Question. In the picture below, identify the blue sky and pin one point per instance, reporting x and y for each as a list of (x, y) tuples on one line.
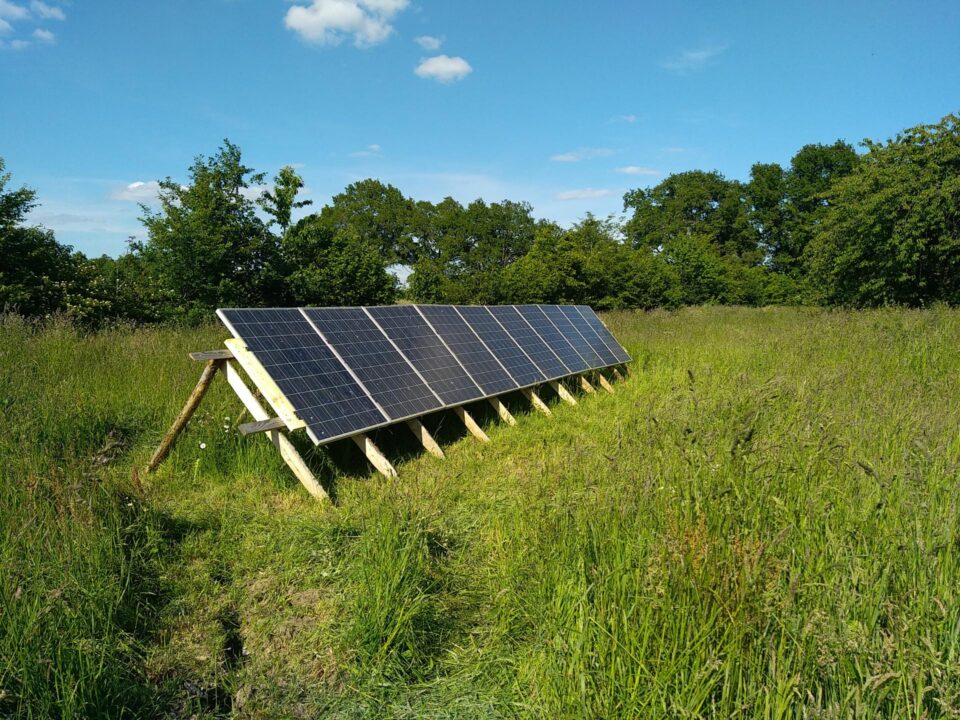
[(562, 104)]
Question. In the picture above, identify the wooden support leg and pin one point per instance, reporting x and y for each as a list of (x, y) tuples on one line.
[(617, 374), (535, 400), (425, 438), (206, 377), (585, 384), (562, 391), (376, 458), (471, 424), (627, 370), (502, 411), (604, 383), (287, 450)]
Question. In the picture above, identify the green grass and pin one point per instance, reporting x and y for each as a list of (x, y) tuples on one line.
[(762, 522)]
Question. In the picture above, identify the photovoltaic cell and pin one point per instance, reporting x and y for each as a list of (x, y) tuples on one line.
[(501, 344), (321, 391), (591, 317), (589, 334), (424, 349), (483, 367), (384, 372), (553, 338), (566, 328), (531, 343)]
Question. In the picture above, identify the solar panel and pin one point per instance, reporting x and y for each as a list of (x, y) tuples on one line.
[(387, 376), (426, 352), (476, 359), (558, 318), (553, 338), (589, 334), (531, 343), (499, 342), (597, 324), (323, 394)]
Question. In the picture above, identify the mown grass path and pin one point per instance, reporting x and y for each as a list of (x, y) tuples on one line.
[(761, 523)]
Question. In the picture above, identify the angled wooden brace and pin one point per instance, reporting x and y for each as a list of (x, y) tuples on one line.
[(502, 410), (425, 438), (604, 383), (585, 385), (471, 424), (562, 392), (535, 400), (376, 458)]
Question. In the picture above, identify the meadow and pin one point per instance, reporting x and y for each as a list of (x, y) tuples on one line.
[(761, 522)]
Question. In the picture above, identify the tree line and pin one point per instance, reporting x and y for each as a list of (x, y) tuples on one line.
[(835, 227)]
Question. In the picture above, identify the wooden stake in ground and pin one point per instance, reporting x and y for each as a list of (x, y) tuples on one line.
[(206, 377)]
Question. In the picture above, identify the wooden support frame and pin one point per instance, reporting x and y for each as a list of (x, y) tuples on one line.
[(376, 458), (425, 438), (502, 411), (472, 426), (206, 377), (562, 392), (604, 383), (259, 426), (536, 401), (586, 386), (617, 374)]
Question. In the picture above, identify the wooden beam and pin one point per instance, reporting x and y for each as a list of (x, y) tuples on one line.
[(585, 384), (260, 426), (376, 458), (206, 377), (502, 410), (627, 370), (211, 355), (604, 383), (535, 400), (565, 395), (262, 380), (287, 450), (471, 424), (425, 438), (617, 374)]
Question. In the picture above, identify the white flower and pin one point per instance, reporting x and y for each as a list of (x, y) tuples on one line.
[(203, 446)]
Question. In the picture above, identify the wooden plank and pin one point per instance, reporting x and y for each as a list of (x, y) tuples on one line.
[(535, 400), (211, 355), (425, 438), (585, 385), (376, 458), (206, 377), (502, 411), (617, 374), (260, 426), (604, 383), (265, 384), (471, 424), (565, 395), (287, 450)]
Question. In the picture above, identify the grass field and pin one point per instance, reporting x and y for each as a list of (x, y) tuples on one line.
[(761, 523)]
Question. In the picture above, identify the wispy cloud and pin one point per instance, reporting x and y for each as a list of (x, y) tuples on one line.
[(429, 42), (582, 154), (443, 68), (690, 61), (369, 151), (329, 22), (47, 12), (12, 11), (637, 170), (674, 150), (629, 119), (37, 12), (138, 192), (44, 35), (584, 194)]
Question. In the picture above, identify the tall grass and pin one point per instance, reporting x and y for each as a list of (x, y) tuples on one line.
[(760, 523)]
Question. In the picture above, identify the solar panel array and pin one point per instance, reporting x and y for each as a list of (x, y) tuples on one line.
[(347, 370)]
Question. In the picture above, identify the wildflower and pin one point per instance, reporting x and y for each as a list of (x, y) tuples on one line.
[(203, 446)]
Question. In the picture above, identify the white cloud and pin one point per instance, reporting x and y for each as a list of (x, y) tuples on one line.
[(624, 119), (690, 61), (582, 154), (637, 170), (428, 42), (328, 22), (444, 68), (369, 151), (138, 192), (44, 35), (674, 150), (47, 12), (18, 44), (12, 11), (584, 194), (5, 27)]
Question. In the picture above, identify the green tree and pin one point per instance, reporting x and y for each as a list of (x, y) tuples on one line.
[(280, 202), (890, 230), (207, 244), (379, 214)]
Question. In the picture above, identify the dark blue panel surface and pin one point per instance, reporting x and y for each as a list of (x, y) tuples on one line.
[(589, 334), (591, 317), (553, 338), (501, 344), (483, 367), (531, 343), (316, 384), (424, 349), (566, 328), (384, 372)]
